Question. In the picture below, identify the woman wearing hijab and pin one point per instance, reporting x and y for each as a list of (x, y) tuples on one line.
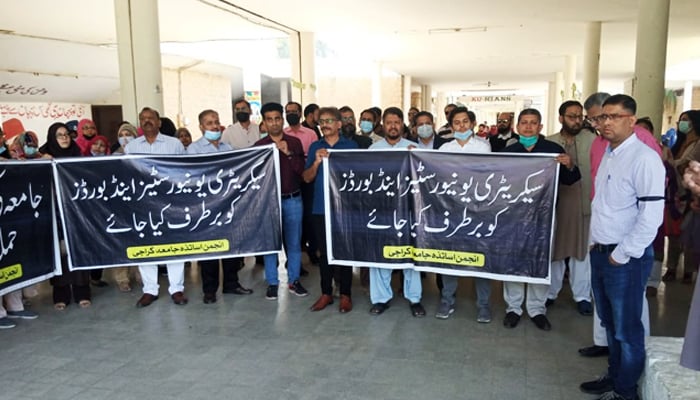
[(25, 147), (86, 134), (59, 144)]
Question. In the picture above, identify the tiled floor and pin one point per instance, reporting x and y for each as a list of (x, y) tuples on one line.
[(247, 347)]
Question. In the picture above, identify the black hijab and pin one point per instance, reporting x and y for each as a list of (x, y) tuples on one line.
[(54, 149)]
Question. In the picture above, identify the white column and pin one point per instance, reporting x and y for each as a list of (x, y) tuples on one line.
[(569, 78), (687, 95), (440, 103), (591, 59), (426, 98), (552, 105), (376, 100), (303, 58), (138, 47), (650, 60), (406, 82)]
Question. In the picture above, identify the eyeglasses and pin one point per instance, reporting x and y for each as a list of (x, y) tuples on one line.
[(348, 119), (503, 121), (327, 121), (62, 135), (604, 117), (574, 116)]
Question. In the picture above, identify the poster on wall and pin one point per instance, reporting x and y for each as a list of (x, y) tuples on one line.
[(37, 117)]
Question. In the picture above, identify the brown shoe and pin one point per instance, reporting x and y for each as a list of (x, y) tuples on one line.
[(179, 298), (345, 304), (146, 300), (322, 302)]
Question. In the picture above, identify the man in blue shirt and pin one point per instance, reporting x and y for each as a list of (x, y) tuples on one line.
[(330, 123), (626, 212), (210, 142), (380, 278)]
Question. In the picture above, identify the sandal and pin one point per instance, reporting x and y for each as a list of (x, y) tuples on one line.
[(85, 303), (124, 287), (59, 306)]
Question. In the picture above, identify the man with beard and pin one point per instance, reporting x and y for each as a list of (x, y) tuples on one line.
[(380, 278), (445, 131), (329, 120), (347, 116), (243, 133), (505, 135), (573, 213), (153, 142), (291, 162), (305, 135)]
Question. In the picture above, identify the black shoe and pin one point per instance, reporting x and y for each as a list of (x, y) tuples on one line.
[(549, 302), (209, 298), (511, 320), (417, 310), (239, 290), (297, 289), (594, 351), (584, 307), (378, 308), (541, 322), (271, 293), (598, 386)]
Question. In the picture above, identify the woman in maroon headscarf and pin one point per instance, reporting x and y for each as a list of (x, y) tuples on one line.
[(86, 135)]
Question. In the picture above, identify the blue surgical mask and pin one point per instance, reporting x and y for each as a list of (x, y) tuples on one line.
[(263, 135), (212, 135), (29, 150), (464, 135), (684, 126), (366, 127), (2, 149), (425, 131), (528, 141)]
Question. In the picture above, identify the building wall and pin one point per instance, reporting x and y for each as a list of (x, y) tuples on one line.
[(187, 93), (357, 92)]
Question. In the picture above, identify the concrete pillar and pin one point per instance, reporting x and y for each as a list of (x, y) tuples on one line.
[(376, 100), (552, 107), (426, 98), (303, 57), (440, 103), (650, 60), (591, 59), (687, 95), (570, 78), (138, 47), (406, 100)]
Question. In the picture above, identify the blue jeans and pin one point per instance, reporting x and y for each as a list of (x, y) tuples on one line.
[(618, 293), (292, 213)]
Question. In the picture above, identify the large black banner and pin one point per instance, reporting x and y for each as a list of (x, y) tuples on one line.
[(146, 209), (485, 215), (27, 233)]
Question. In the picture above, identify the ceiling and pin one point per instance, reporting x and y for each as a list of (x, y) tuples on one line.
[(69, 46)]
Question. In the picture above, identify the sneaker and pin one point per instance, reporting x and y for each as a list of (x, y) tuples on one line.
[(271, 293), (24, 314), (6, 323), (599, 386), (483, 315), (297, 289), (444, 311), (613, 395), (584, 307)]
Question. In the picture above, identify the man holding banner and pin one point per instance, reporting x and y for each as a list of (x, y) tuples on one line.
[(380, 278), (210, 142), (330, 122), (530, 141), (153, 142)]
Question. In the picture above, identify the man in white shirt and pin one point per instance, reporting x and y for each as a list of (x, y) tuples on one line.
[(153, 142), (626, 212), (243, 133)]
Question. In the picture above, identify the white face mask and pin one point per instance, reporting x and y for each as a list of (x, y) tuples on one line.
[(425, 131), (123, 140)]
